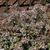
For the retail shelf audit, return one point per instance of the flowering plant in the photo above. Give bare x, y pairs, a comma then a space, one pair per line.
25, 30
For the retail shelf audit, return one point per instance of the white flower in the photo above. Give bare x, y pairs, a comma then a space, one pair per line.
37, 24
41, 23
47, 27
43, 8
3, 21
45, 16
2, 49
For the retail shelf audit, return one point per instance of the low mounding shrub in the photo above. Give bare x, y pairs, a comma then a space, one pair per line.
26, 30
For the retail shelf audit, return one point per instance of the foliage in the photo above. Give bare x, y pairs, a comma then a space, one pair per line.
26, 30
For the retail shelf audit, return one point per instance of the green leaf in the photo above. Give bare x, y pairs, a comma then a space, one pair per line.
49, 44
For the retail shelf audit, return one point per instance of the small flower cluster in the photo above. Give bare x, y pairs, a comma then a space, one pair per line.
26, 30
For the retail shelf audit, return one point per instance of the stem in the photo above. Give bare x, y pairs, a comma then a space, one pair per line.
6, 5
